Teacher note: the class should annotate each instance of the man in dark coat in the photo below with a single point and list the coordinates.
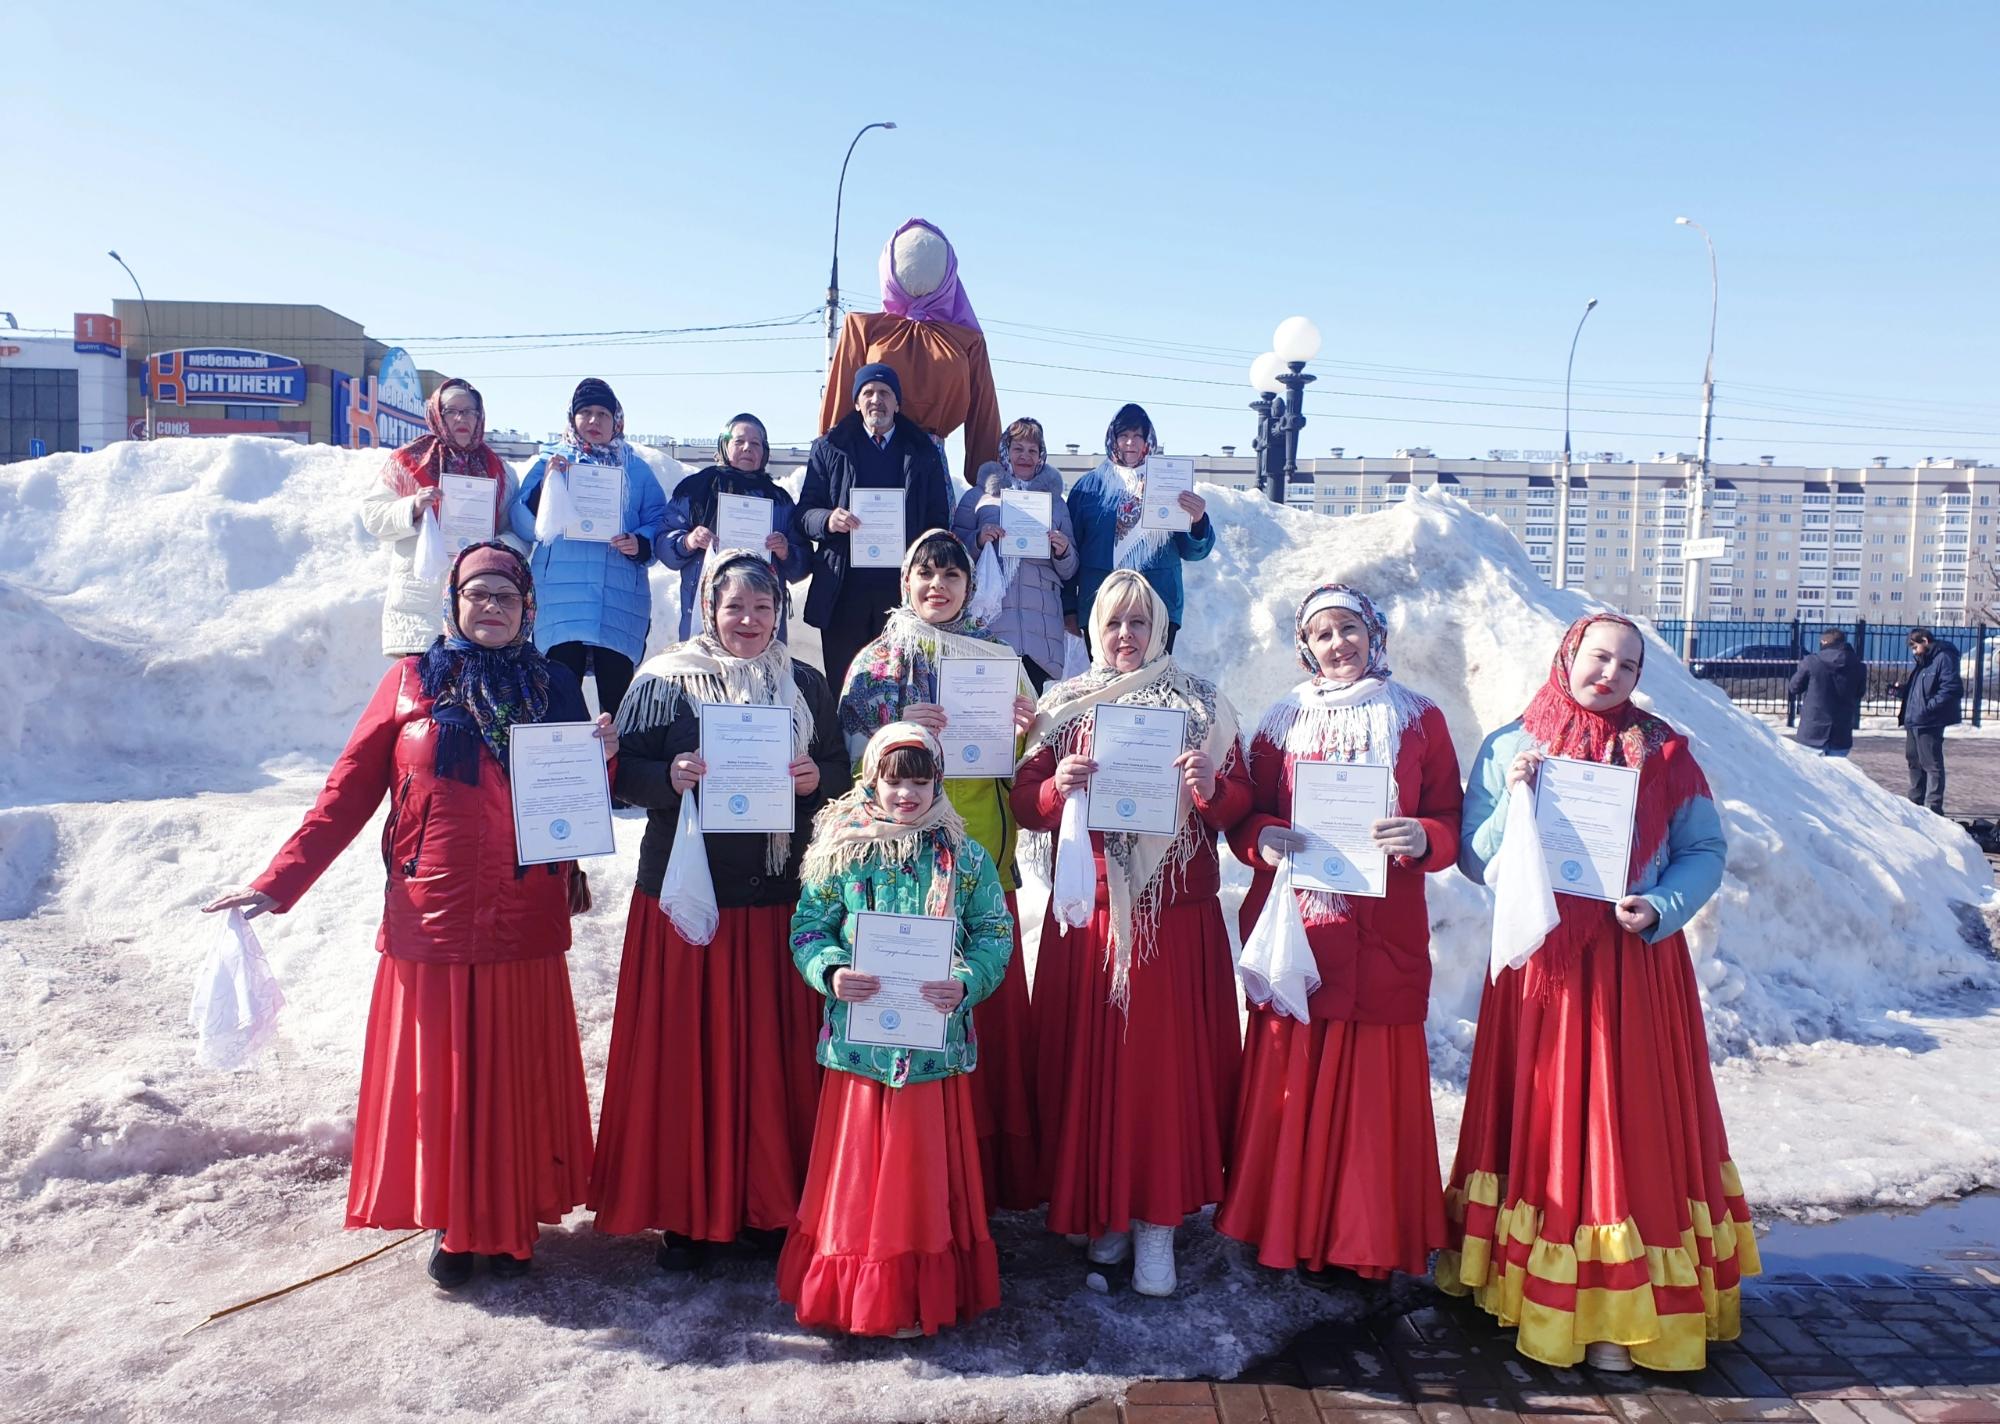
(874, 446)
(1930, 704)
(1829, 684)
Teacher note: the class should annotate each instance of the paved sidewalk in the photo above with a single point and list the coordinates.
(1910, 1344)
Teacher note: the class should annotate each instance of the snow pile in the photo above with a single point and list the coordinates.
(187, 632)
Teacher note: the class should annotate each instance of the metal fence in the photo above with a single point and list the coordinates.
(1753, 662)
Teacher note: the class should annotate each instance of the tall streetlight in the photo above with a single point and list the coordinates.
(145, 386)
(1295, 342)
(1562, 489)
(833, 278)
(1699, 504)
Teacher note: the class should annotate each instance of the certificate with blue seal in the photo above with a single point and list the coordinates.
(1584, 811)
(1335, 805)
(748, 784)
(905, 952)
(561, 793)
(1136, 786)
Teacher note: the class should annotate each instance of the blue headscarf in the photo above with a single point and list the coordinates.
(1340, 595)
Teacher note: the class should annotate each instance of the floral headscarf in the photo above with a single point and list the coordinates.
(1340, 595)
(477, 693)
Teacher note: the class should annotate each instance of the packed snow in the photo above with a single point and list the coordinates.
(186, 634)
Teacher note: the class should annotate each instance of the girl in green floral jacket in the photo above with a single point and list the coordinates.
(891, 1235)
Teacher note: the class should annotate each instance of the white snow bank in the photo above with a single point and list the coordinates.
(187, 631)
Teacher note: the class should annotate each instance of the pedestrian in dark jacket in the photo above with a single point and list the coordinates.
(688, 536)
(711, 1087)
(1930, 704)
(873, 447)
(1830, 683)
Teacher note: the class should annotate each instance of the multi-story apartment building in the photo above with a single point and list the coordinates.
(1915, 544)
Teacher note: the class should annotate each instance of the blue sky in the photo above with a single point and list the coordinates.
(1138, 194)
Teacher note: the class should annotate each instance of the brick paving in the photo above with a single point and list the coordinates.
(1922, 1348)
(1971, 773)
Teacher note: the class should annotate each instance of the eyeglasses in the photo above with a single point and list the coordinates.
(505, 600)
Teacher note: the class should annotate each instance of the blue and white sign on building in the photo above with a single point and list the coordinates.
(382, 410)
(220, 375)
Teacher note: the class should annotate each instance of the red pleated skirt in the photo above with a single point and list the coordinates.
(710, 1087)
(1336, 1150)
(891, 1231)
(1136, 1109)
(1003, 1101)
(473, 1116)
(1593, 1197)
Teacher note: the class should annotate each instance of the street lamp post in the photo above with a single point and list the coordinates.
(1295, 342)
(1562, 489)
(1699, 504)
(145, 386)
(1270, 408)
(833, 277)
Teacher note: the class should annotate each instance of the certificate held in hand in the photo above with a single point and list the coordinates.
(905, 952)
(1584, 811)
(748, 784)
(881, 540)
(1168, 477)
(1335, 805)
(1026, 516)
(743, 521)
(596, 502)
(466, 509)
(1136, 786)
(561, 792)
(977, 695)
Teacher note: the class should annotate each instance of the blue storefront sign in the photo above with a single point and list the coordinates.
(385, 409)
(220, 375)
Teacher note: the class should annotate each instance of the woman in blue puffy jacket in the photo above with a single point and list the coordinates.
(595, 606)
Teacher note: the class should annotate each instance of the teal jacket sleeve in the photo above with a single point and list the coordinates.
(817, 946)
(1696, 853)
(1484, 816)
(986, 930)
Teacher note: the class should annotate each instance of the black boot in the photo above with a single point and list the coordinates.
(680, 1253)
(509, 1268)
(450, 1269)
(765, 1241)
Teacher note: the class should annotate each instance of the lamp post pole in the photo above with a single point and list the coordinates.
(145, 386)
(1295, 342)
(833, 276)
(1262, 444)
(1698, 505)
(1562, 488)
(1295, 379)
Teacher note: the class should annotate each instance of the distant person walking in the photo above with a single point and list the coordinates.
(1930, 696)
(1830, 683)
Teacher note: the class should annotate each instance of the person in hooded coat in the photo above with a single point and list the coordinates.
(473, 1122)
(409, 484)
(1829, 684)
(710, 1086)
(1592, 1202)
(1031, 612)
(1336, 1161)
(687, 538)
(1104, 508)
(596, 603)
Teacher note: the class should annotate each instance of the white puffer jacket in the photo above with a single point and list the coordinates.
(412, 608)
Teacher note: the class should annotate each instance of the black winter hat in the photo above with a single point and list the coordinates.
(592, 391)
(1131, 416)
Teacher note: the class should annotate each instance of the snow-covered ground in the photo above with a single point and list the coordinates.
(186, 633)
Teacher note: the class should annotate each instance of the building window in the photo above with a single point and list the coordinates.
(36, 404)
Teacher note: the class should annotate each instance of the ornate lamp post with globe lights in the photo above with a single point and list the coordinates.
(1295, 342)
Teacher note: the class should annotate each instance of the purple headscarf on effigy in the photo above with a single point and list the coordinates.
(948, 303)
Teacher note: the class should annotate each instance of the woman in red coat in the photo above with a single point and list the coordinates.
(1336, 1152)
(473, 1119)
(1134, 1005)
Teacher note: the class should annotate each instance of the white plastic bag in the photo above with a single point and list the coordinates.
(552, 512)
(1076, 657)
(688, 890)
(1524, 903)
(989, 594)
(1073, 884)
(1277, 965)
(432, 560)
(236, 998)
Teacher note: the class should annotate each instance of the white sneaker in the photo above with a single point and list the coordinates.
(1110, 1249)
(1606, 1356)
(1153, 1270)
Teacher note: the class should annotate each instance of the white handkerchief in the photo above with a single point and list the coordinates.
(1524, 904)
